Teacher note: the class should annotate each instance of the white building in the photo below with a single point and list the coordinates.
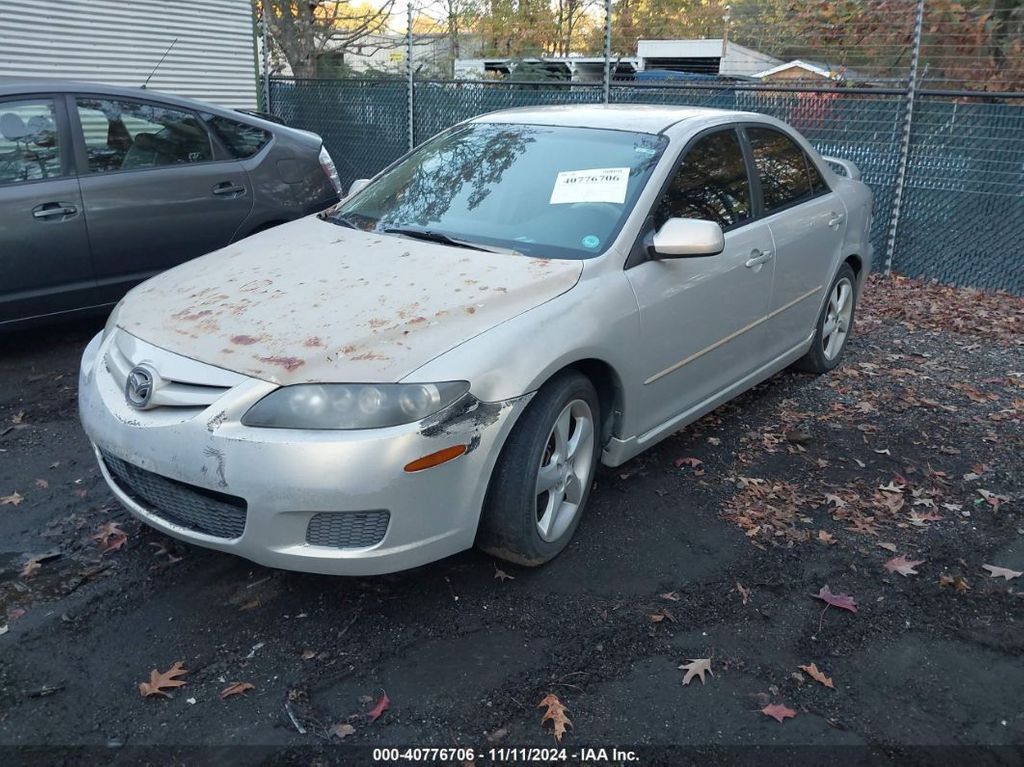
(699, 58)
(121, 41)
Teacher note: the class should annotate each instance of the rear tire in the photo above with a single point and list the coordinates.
(541, 482)
(835, 324)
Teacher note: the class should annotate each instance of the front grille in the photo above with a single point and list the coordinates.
(347, 529)
(196, 508)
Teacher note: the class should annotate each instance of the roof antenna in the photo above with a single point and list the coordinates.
(159, 63)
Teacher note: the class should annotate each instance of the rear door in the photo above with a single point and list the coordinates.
(44, 247)
(807, 221)
(157, 190)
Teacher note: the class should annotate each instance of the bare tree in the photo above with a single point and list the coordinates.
(303, 30)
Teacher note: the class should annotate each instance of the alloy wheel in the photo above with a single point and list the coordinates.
(564, 470)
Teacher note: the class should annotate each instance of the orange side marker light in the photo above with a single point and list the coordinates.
(436, 459)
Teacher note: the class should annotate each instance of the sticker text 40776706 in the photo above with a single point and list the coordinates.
(591, 185)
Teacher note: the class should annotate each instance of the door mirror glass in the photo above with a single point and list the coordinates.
(682, 237)
(358, 185)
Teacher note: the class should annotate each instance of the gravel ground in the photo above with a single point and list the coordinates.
(708, 546)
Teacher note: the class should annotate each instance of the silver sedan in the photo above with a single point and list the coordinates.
(443, 359)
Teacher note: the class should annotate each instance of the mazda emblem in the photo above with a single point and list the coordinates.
(138, 389)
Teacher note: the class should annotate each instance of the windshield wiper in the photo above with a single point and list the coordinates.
(341, 221)
(445, 239)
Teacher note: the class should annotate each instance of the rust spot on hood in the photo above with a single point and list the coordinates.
(288, 363)
(244, 340)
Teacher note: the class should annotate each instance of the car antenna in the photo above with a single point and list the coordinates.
(159, 63)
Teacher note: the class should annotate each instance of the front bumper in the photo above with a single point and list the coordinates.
(283, 478)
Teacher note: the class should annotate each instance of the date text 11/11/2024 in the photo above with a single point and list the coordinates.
(504, 754)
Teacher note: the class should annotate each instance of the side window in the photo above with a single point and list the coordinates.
(241, 140)
(818, 185)
(782, 167)
(711, 183)
(129, 135)
(29, 148)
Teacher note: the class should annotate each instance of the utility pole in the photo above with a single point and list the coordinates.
(408, 70)
(607, 50)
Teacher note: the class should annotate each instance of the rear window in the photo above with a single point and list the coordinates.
(241, 140)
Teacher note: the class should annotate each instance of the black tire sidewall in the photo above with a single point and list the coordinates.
(508, 526)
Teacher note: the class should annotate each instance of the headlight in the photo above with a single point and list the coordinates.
(351, 406)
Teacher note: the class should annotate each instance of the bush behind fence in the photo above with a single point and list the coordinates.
(962, 220)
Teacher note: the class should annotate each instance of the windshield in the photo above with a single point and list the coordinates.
(555, 192)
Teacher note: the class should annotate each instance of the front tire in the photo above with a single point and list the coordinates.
(541, 483)
(835, 324)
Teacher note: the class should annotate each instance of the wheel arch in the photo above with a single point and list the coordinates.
(608, 384)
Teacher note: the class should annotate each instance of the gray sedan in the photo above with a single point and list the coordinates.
(102, 187)
(445, 357)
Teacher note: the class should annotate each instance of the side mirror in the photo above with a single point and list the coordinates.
(682, 237)
(357, 186)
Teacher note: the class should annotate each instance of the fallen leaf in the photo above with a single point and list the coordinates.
(817, 675)
(110, 537)
(778, 712)
(18, 417)
(888, 547)
(842, 601)
(382, 705)
(252, 604)
(662, 615)
(162, 549)
(903, 566)
(342, 730)
(744, 593)
(42, 484)
(918, 520)
(1002, 572)
(157, 681)
(957, 582)
(502, 576)
(825, 537)
(696, 668)
(236, 688)
(31, 568)
(12, 500)
(695, 463)
(555, 714)
(992, 499)
(671, 596)
(308, 654)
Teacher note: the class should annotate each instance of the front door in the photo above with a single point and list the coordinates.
(701, 318)
(44, 247)
(155, 191)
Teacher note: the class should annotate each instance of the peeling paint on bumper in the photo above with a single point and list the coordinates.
(286, 476)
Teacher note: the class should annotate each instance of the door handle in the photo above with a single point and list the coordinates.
(53, 209)
(228, 189)
(758, 257)
(836, 220)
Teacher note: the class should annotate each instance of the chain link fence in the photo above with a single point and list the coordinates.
(962, 217)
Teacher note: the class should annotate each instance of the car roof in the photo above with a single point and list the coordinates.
(641, 118)
(16, 86)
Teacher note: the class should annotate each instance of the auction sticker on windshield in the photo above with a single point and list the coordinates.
(593, 185)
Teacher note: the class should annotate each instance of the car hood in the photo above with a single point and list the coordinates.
(311, 301)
